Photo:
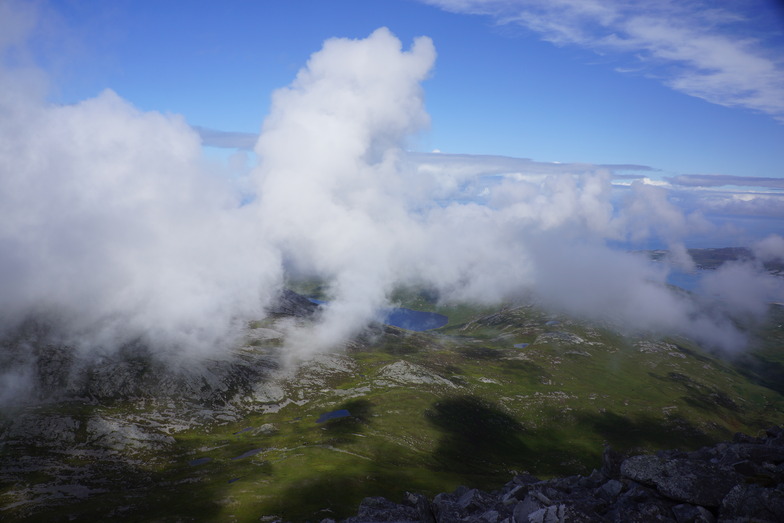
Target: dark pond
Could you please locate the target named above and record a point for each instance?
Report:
(412, 320)
(248, 454)
(342, 413)
(408, 319)
(199, 461)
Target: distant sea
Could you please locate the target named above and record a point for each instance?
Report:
(686, 281)
(691, 283)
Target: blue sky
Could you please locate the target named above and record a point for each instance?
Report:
(500, 86)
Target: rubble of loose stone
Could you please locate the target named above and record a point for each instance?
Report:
(733, 482)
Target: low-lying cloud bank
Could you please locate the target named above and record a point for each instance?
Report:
(115, 229)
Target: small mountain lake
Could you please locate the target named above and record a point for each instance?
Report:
(412, 320)
(408, 319)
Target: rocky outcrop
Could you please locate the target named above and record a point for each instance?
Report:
(36, 367)
(405, 373)
(289, 303)
(737, 481)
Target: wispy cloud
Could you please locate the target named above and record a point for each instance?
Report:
(481, 164)
(226, 139)
(708, 50)
(723, 180)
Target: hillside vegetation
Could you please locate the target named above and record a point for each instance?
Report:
(466, 404)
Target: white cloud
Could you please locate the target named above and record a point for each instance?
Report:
(714, 53)
(742, 289)
(332, 191)
(112, 229)
(770, 249)
(734, 203)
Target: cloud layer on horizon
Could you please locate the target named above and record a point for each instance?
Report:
(721, 195)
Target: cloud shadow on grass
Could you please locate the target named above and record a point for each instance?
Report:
(476, 436)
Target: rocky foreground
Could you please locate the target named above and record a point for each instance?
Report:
(738, 481)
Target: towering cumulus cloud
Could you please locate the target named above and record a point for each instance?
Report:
(333, 195)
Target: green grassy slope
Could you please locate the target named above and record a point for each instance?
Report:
(429, 411)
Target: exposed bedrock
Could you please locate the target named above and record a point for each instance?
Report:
(737, 481)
